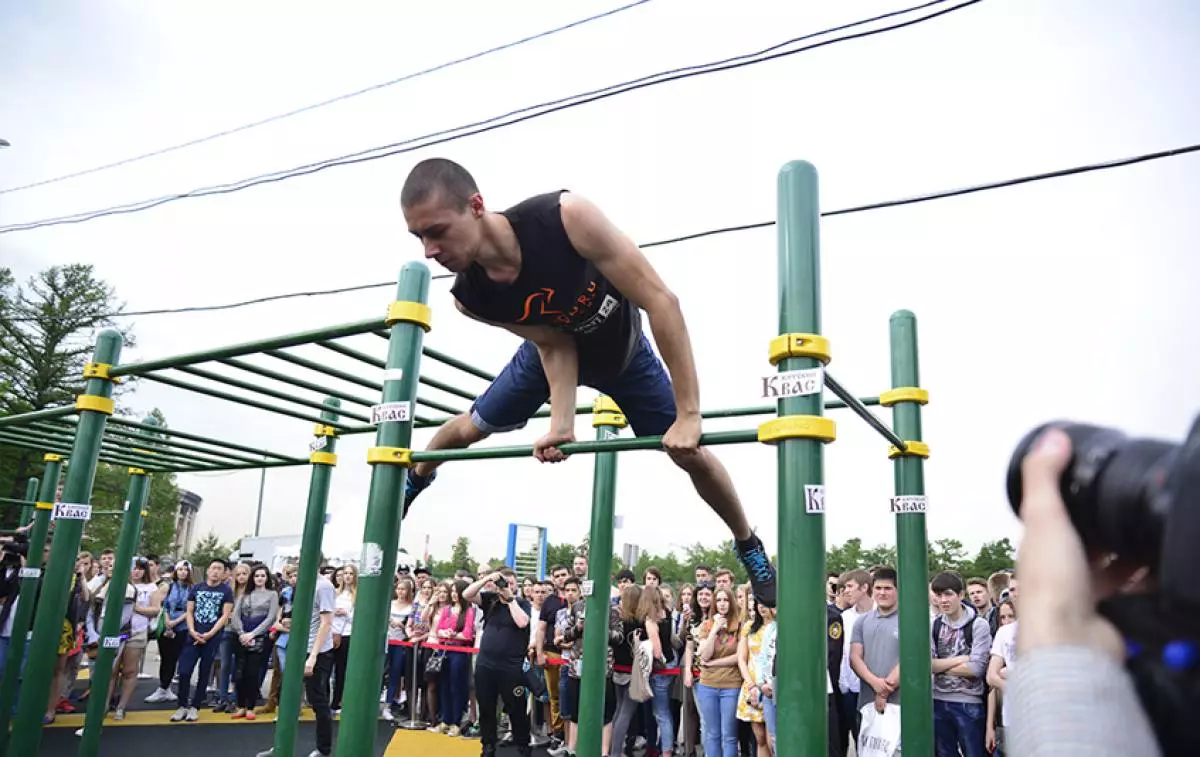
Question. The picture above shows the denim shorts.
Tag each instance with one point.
(642, 391)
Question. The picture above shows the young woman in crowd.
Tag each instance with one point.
(720, 676)
(631, 631)
(749, 707)
(343, 627)
(400, 614)
(699, 612)
(174, 600)
(224, 664)
(254, 613)
(455, 627)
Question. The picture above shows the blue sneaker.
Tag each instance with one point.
(754, 557)
(414, 486)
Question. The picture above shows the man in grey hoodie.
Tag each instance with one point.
(960, 643)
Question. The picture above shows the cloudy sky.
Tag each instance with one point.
(1073, 297)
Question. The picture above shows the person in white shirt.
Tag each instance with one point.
(854, 588)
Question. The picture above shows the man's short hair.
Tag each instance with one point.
(884, 573)
(945, 581)
(441, 177)
(977, 581)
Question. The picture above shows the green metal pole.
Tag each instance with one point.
(381, 532)
(608, 422)
(94, 407)
(31, 490)
(114, 602)
(803, 724)
(323, 462)
(912, 546)
(30, 576)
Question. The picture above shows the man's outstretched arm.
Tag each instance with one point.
(622, 262)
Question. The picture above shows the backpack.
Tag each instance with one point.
(968, 631)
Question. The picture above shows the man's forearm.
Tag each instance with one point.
(560, 362)
(671, 336)
(518, 615)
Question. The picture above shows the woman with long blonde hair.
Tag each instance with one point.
(720, 676)
(343, 625)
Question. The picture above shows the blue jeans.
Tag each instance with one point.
(768, 704)
(191, 654)
(642, 391)
(566, 707)
(720, 720)
(396, 655)
(660, 686)
(958, 724)
(454, 687)
(225, 675)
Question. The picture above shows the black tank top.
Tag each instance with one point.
(556, 287)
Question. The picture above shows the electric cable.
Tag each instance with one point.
(513, 117)
(913, 200)
(330, 101)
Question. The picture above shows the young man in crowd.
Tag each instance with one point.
(208, 608)
(499, 666)
(875, 645)
(960, 643)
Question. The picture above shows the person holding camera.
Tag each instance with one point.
(1068, 692)
(499, 668)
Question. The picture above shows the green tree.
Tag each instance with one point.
(847, 556)
(993, 556)
(561, 554)
(206, 550)
(946, 554)
(110, 491)
(722, 556)
(47, 329)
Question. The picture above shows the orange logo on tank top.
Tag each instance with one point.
(539, 304)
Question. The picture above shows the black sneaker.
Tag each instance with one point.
(754, 557)
(414, 486)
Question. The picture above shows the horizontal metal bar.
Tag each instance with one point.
(240, 400)
(286, 379)
(442, 357)
(11, 501)
(214, 455)
(377, 363)
(128, 451)
(581, 448)
(861, 411)
(203, 439)
(65, 451)
(272, 393)
(248, 348)
(233, 467)
(312, 365)
(119, 438)
(37, 415)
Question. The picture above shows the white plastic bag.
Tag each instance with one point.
(879, 734)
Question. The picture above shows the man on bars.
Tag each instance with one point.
(557, 273)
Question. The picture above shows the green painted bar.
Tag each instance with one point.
(442, 357)
(272, 393)
(206, 440)
(381, 531)
(37, 415)
(861, 411)
(802, 725)
(912, 549)
(313, 365)
(595, 630)
(114, 601)
(212, 455)
(249, 348)
(377, 363)
(127, 450)
(304, 596)
(580, 448)
(286, 379)
(31, 490)
(28, 501)
(233, 398)
(47, 626)
(28, 588)
(62, 448)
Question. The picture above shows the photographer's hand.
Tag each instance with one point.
(1058, 594)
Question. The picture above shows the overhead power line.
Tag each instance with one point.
(330, 101)
(516, 116)
(940, 195)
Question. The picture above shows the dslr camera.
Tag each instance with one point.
(1140, 500)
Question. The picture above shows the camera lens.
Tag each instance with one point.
(1113, 487)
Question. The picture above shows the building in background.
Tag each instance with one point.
(185, 521)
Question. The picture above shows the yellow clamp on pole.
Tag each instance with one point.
(323, 458)
(403, 311)
(94, 403)
(50, 457)
(797, 427)
(44, 506)
(321, 429)
(914, 449)
(605, 412)
(145, 513)
(904, 394)
(141, 451)
(799, 345)
(99, 371)
(136, 472)
(390, 456)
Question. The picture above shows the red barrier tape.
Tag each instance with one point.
(549, 661)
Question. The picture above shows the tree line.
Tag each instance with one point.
(48, 326)
(944, 554)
